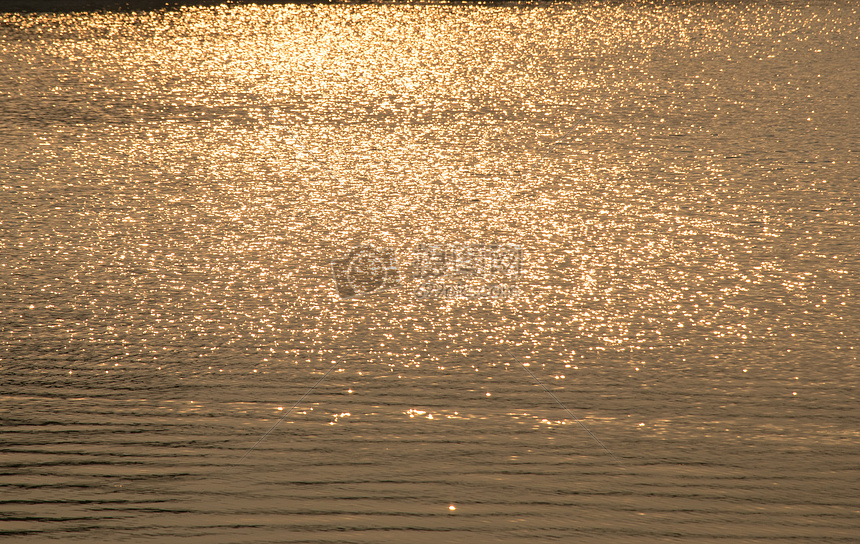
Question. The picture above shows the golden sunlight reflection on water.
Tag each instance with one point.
(176, 184)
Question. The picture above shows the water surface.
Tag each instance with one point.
(683, 181)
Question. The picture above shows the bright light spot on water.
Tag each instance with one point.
(412, 412)
(452, 507)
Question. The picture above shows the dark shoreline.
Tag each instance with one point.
(66, 6)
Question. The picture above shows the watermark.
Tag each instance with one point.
(494, 261)
(365, 270)
(431, 290)
(446, 271)
(434, 271)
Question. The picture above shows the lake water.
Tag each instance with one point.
(681, 181)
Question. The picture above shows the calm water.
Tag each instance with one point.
(683, 181)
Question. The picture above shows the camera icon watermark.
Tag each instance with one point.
(364, 271)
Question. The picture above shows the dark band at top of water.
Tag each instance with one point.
(66, 6)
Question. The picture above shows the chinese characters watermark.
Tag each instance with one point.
(466, 270)
(435, 271)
